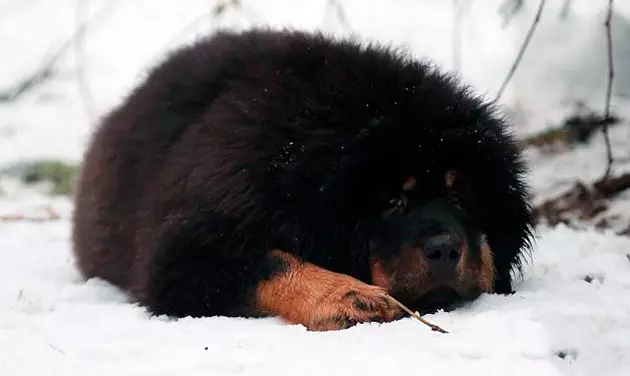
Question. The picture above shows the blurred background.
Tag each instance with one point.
(65, 63)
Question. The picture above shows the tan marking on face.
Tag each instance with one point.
(486, 274)
(380, 277)
(450, 178)
(410, 272)
(462, 266)
(409, 184)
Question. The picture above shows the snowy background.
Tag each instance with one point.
(570, 315)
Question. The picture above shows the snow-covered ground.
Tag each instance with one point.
(53, 323)
(570, 316)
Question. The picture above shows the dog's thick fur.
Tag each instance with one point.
(287, 173)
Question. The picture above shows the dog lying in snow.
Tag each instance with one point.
(290, 174)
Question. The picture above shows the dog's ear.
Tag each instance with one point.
(505, 205)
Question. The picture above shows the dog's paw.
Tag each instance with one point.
(352, 302)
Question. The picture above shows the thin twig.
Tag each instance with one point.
(609, 156)
(341, 14)
(522, 50)
(415, 315)
(80, 15)
(47, 66)
(24, 218)
(56, 349)
(219, 10)
(41, 74)
(51, 215)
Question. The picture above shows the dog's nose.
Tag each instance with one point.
(443, 252)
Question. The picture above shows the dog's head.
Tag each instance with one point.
(429, 249)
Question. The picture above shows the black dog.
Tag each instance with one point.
(290, 174)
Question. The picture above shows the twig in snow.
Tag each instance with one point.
(522, 50)
(609, 160)
(56, 348)
(51, 215)
(415, 315)
(24, 218)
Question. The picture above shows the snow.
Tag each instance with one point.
(557, 323)
(51, 320)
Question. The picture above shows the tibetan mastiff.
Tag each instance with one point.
(297, 175)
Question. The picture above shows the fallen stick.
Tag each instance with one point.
(22, 217)
(415, 315)
(51, 215)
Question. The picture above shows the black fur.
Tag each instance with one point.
(242, 143)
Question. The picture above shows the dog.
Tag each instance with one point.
(292, 174)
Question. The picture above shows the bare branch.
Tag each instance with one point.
(46, 68)
(221, 8)
(609, 157)
(81, 61)
(340, 14)
(528, 37)
(42, 73)
(433, 327)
